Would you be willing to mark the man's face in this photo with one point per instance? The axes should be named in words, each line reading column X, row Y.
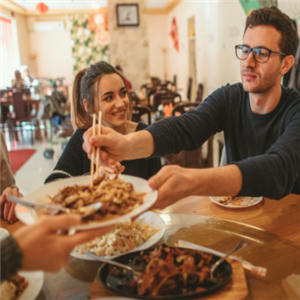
column 261, row 77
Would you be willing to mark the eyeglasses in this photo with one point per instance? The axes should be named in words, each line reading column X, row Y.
column 260, row 54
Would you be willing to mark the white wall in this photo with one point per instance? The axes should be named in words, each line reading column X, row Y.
column 218, row 27
column 158, row 46
column 53, row 52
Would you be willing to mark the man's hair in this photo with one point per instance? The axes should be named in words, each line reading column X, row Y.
column 272, row 16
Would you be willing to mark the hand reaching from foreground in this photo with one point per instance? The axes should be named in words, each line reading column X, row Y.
column 7, row 208
column 44, row 249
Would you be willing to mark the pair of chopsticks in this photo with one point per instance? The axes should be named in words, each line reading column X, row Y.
column 98, row 149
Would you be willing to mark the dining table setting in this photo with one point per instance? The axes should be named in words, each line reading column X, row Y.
column 30, row 98
column 199, row 248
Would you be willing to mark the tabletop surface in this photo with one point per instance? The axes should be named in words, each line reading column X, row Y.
column 271, row 229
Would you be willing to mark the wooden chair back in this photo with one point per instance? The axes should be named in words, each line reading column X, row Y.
column 199, row 97
column 21, row 108
column 183, row 107
column 165, row 97
column 138, row 111
column 189, row 89
column 134, row 98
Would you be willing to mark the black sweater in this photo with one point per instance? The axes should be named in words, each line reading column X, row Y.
column 265, row 147
column 75, row 162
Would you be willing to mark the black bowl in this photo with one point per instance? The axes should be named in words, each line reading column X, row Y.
column 120, row 283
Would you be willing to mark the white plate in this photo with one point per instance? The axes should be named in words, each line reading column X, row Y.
column 35, row 282
column 247, row 202
column 26, row 215
column 150, row 218
column 3, row 233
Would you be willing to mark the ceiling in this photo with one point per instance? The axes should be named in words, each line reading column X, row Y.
column 79, row 4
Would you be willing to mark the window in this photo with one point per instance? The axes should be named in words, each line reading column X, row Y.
column 10, row 56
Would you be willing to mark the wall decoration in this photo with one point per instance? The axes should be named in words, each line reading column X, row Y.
column 249, row 5
column 127, row 14
column 90, row 38
column 174, row 34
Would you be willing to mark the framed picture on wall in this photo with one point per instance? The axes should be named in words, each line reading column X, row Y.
column 127, row 14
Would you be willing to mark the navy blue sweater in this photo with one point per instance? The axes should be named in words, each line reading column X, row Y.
column 265, row 147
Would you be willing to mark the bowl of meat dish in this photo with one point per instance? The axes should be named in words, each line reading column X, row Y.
column 167, row 273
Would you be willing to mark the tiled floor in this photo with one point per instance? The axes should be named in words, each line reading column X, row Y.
column 34, row 172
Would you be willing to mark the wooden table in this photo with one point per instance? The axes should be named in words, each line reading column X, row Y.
column 271, row 229
column 280, row 217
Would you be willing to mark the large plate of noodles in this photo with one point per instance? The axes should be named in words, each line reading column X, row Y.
column 46, row 193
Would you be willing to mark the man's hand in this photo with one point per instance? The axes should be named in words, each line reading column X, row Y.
column 173, row 183
column 7, row 208
column 113, row 145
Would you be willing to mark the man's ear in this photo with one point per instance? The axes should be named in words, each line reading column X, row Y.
column 85, row 105
column 287, row 64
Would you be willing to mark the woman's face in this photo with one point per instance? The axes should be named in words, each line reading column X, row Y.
column 113, row 101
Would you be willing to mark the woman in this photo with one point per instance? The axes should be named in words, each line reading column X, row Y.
column 7, row 184
column 101, row 88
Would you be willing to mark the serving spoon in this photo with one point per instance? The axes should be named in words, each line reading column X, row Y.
column 114, row 263
column 84, row 211
column 238, row 247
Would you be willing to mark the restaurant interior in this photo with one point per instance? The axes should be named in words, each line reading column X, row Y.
column 174, row 53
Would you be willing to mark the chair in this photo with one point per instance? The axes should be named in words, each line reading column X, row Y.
column 165, row 85
column 183, row 107
column 134, row 98
column 189, row 89
column 199, row 97
column 193, row 158
column 138, row 111
column 155, row 80
column 175, row 81
column 165, row 97
column 22, row 115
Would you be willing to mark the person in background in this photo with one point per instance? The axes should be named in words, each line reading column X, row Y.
column 260, row 119
column 28, row 78
column 101, row 88
column 127, row 82
column 18, row 82
column 39, row 246
column 8, row 185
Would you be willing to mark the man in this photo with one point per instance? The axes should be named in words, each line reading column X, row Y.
column 259, row 117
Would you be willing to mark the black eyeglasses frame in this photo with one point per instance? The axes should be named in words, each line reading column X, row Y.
column 255, row 48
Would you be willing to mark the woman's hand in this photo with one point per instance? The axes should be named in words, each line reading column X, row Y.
column 116, row 169
column 7, row 208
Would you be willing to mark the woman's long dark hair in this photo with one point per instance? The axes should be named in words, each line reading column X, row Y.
column 86, row 87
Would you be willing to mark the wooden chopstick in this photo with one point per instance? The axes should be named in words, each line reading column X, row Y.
column 93, row 153
column 98, row 148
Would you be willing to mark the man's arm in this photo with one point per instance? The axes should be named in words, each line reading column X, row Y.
column 118, row 147
column 174, row 183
